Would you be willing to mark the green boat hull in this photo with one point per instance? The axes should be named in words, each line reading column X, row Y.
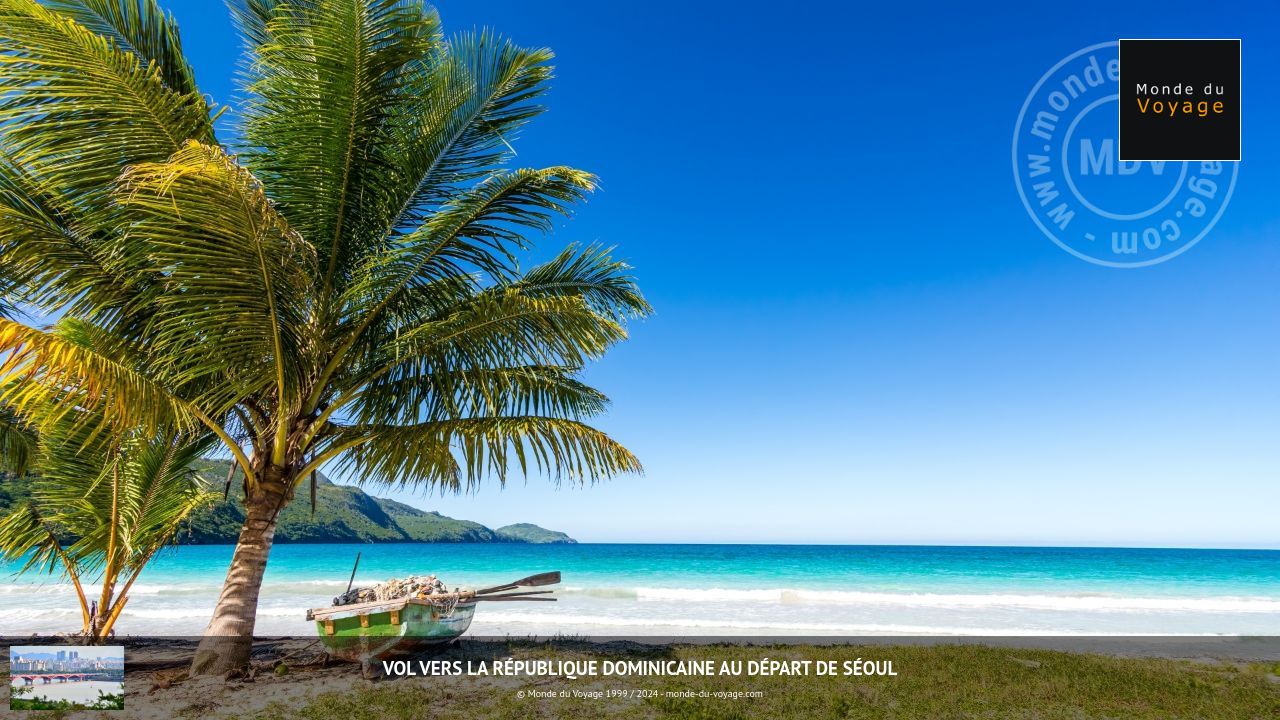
column 394, row 629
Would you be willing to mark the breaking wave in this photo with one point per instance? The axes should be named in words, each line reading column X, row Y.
column 1075, row 603
column 541, row 622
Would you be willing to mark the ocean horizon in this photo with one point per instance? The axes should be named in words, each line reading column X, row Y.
column 722, row 589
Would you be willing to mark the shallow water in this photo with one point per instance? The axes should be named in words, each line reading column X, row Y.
column 728, row 589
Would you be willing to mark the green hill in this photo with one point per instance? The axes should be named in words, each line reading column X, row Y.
column 343, row 514
column 530, row 533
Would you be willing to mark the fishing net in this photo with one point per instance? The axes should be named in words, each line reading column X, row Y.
column 413, row 586
column 446, row 604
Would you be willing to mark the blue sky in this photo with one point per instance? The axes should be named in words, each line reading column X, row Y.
column 861, row 337
column 84, row 651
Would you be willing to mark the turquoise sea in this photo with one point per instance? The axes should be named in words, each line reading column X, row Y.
column 727, row 589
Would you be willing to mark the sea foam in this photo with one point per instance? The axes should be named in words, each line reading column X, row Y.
column 1075, row 603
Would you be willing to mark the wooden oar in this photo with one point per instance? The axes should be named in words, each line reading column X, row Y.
column 515, row 594
column 547, row 578
column 353, row 572
column 384, row 605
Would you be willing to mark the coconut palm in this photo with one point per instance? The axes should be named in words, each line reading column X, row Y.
column 342, row 284
column 102, row 506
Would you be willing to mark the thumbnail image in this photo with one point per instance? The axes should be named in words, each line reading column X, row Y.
column 53, row 677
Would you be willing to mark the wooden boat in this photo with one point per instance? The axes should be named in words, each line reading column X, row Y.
column 395, row 628
column 380, row 630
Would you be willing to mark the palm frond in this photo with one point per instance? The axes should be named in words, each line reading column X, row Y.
column 52, row 374
column 494, row 329
column 476, row 231
column 124, row 494
column 75, row 108
column 325, row 78
column 456, row 454
column 604, row 283
column 28, row 539
column 473, row 102
column 140, row 27
column 45, row 257
column 251, row 18
column 445, row 393
column 151, row 478
column 206, row 224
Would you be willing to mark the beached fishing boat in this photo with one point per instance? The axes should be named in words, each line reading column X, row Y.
column 379, row 630
column 389, row 629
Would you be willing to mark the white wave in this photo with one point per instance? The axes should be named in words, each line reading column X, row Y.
column 170, row 613
column 298, row 612
column 545, row 624
column 322, row 588
column 205, row 612
column 1088, row 603
column 67, row 589
column 40, row 612
column 287, row 586
column 613, row 593
column 323, row 583
column 177, row 589
column 41, row 588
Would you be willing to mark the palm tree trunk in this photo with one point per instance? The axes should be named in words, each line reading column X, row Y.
column 109, row 572
column 123, row 597
column 74, row 574
column 228, row 639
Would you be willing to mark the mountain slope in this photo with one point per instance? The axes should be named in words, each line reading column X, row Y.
column 434, row 527
column 530, row 533
column 343, row 514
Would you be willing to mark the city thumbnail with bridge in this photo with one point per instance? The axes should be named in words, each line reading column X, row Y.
column 39, row 665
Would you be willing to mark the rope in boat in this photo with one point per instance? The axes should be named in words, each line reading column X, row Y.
column 446, row 604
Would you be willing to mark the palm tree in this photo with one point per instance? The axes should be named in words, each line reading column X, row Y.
column 342, row 284
column 101, row 507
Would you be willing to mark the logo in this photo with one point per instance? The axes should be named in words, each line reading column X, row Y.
column 1180, row 100
column 1069, row 175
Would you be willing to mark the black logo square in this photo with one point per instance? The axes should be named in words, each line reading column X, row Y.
column 1179, row 100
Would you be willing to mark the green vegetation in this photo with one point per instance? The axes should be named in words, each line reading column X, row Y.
column 948, row 681
column 340, row 282
column 105, row 701
column 343, row 514
column 17, row 444
column 14, row 491
column 100, row 508
column 530, row 533
column 109, row 493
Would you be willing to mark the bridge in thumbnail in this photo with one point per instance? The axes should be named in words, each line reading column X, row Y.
column 48, row 678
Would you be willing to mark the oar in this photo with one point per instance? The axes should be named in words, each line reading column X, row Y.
column 353, row 572
column 514, row 598
column 547, row 578
column 515, row 594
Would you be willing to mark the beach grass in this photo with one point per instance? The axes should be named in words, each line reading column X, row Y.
column 941, row 681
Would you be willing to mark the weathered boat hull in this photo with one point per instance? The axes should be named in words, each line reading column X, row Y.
column 392, row 629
